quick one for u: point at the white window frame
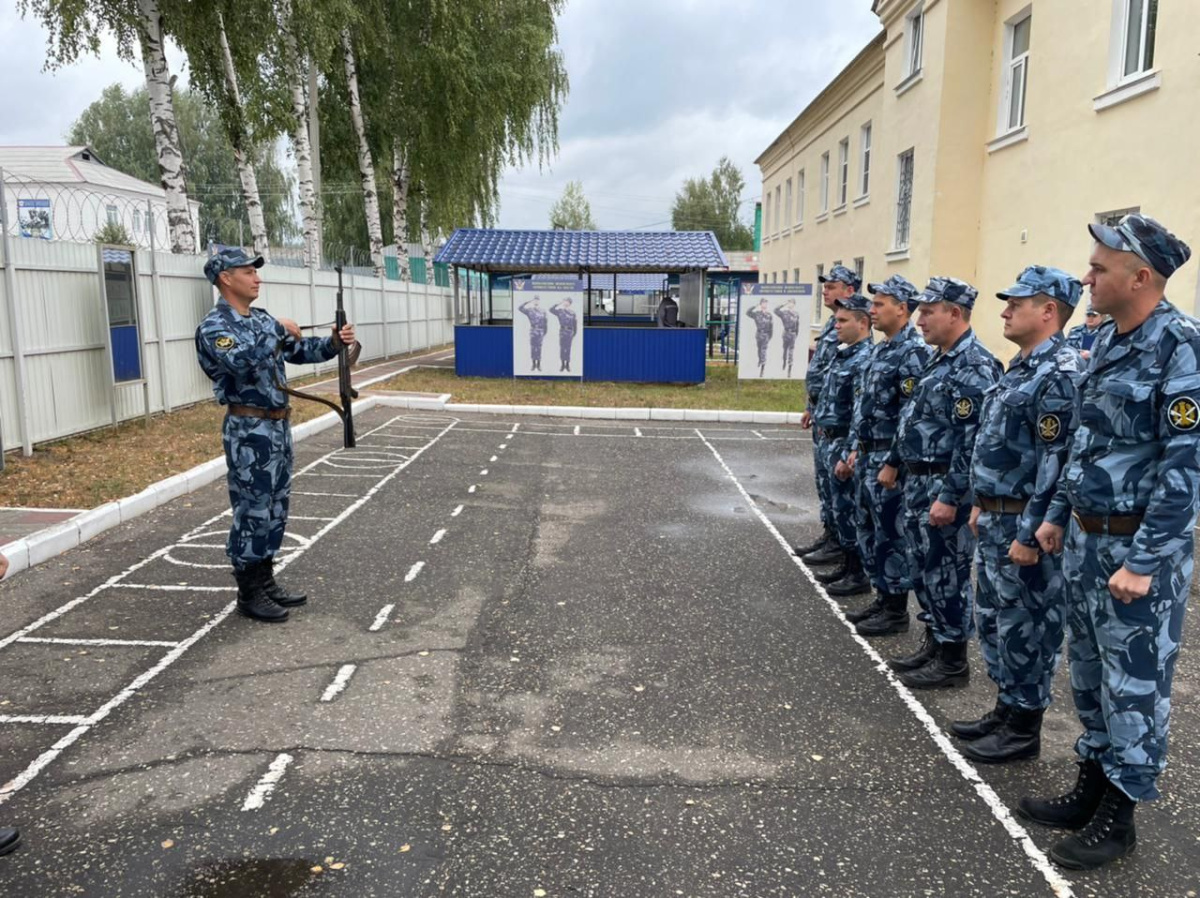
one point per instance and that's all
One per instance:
(914, 42)
(112, 217)
(843, 190)
(796, 275)
(860, 265)
(137, 221)
(787, 203)
(767, 213)
(824, 182)
(1149, 10)
(903, 216)
(783, 280)
(800, 198)
(778, 191)
(1013, 65)
(864, 178)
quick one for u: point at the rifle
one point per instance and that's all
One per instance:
(345, 387)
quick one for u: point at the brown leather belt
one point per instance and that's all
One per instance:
(1001, 504)
(921, 468)
(1108, 525)
(271, 414)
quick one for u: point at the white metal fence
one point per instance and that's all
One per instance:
(54, 374)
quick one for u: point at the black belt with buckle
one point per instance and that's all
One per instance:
(921, 468)
(835, 433)
(874, 445)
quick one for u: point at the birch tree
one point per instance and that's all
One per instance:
(366, 166)
(296, 77)
(400, 211)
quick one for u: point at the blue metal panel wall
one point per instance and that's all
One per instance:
(644, 355)
(483, 351)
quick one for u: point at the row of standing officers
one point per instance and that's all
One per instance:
(1069, 483)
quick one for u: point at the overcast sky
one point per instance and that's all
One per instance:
(660, 90)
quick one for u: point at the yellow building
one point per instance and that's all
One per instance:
(971, 138)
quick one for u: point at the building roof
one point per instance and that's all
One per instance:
(68, 165)
(573, 251)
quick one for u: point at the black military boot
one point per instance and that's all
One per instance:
(947, 669)
(976, 729)
(1109, 835)
(1019, 738)
(868, 612)
(891, 619)
(10, 840)
(277, 593)
(842, 569)
(1073, 810)
(831, 553)
(922, 656)
(252, 600)
(854, 582)
(826, 538)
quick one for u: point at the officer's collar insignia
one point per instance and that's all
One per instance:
(225, 342)
(1049, 427)
(908, 385)
(964, 408)
(1184, 413)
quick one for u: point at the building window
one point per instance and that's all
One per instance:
(865, 144)
(783, 276)
(112, 214)
(137, 221)
(767, 212)
(904, 192)
(1113, 218)
(787, 203)
(859, 266)
(800, 198)
(817, 306)
(777, 192)
(916, 41)
(824, 182)
(1016, 74)
(796, 275)
(1137, 50)
(775, 277)
(843, 171)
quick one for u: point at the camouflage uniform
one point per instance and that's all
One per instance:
(934, 441)
(791, 330)
(239, 354)
(764, 329)
(1020, 451)
(568, 323)
(889, 379)
(833, 416)
(1082, 337)
(537, 331)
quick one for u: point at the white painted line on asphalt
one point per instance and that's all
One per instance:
(515, 427)
(171, 587)
(46, 640)
(471, 488)
(437, 537)
(503, 446)
(757, 434)
(327, 474)
(456, 512)
(413, 571)
(637, 431)
(300, 517)
(1060, 886)
(65, 720)
(483, 473)
(576, 432)
(330, 495)
(493, 458)
(345, 672)
(265, 786)
(381, 618)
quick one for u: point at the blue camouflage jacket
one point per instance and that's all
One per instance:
(887, 382)
(814, 379)
(836, 405)
(1022, 443)
(567, 320)
(1136, 443)
(939, 425)
(1080, 337)
(239, 355)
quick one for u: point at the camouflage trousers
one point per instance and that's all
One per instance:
(789, 351)
(1123, 659)
(535, 346)
(258, 454)
(822, 475)
(842, 493)
(880, 518)
(1020, 613)
(763, 343)
(941, 571)
(565, 339)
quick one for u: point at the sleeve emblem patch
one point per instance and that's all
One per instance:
(1184, 413)
(1049, 427)
(225, 342)
(964, 408)
(908, 385)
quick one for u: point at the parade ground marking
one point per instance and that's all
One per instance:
(265, 786)
(340, 682)
(1060, 886)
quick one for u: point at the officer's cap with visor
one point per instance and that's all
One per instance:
(855, 303)
(1147, 239)
(948, 290)
(844, 275)
(228, 258)
(899, 287)
(1042, 279)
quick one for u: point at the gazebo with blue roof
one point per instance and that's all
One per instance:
(612, 350)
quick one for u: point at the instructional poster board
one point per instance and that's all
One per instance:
(773, 331)
(548, 328)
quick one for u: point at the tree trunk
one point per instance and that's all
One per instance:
(258, 224)
(366, 166)
(300, 144)
(166, 131)
(400, 210)
(427, 251)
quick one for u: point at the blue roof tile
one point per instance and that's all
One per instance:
(571, 251)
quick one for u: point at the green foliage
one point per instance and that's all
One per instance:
(572, 211)
(714, 204)
(117, 127)
(114, 233)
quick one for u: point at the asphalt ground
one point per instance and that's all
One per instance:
(539, 658)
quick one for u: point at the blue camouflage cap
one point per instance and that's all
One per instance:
(1147, 239)
(948, 290)
(844, 275)
(1053, 282)
(855, 303)
(226, 258)
(899, 287)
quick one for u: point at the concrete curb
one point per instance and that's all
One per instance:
(441, 404)
(53, 541)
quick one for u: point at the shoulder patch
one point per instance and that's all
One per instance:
(1184, 414)
(964, 408)
(908, 386)
(1049, 427)
(223, 342)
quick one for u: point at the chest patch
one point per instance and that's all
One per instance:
(1184, 413)
(908, 385)
(964, 408)
(1049, 427)
(223, 343)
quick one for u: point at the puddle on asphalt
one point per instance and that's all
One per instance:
(248, 878)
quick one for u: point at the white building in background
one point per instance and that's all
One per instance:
(68, 193)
